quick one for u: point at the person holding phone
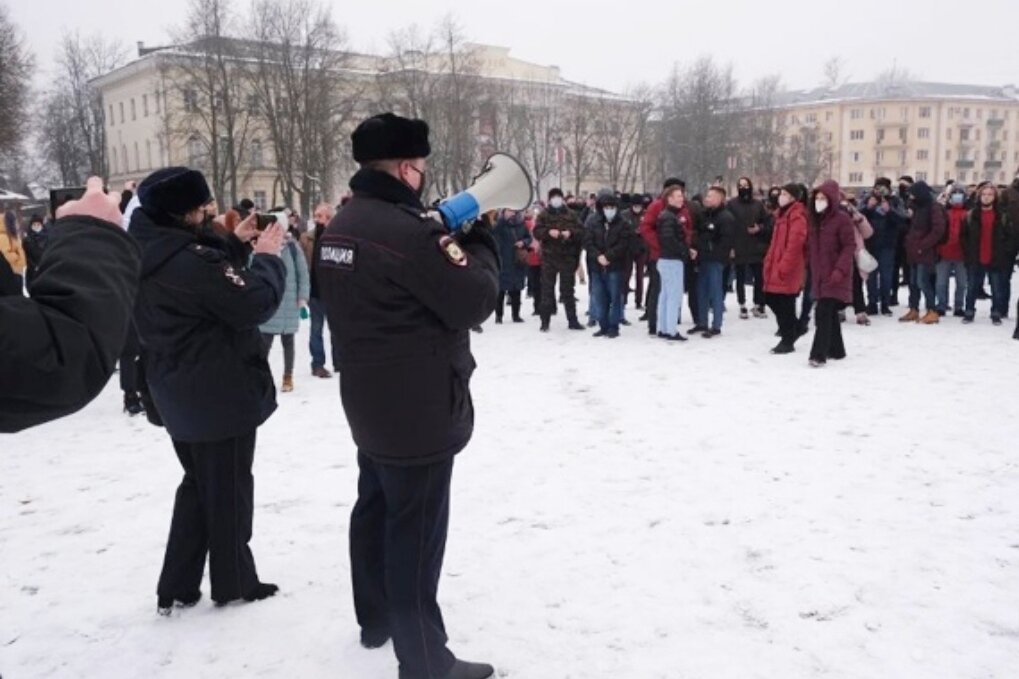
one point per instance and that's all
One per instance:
(208, 382)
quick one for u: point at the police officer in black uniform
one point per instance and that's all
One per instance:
(401, 295)
(198, 312)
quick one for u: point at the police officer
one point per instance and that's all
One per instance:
(198, 312)
(401, 294)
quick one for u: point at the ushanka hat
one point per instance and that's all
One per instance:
(174, 191)
(388, 136)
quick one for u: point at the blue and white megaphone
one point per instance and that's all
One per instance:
(502, 184)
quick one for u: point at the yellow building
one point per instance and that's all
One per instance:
(932, 131)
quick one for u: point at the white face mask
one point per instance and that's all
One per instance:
(784, 200)
(556, 202)
(610, 214)
(820, 206)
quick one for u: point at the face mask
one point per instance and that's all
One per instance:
(903, 190)
(37, 227)
(957, 199)
(637, 209)
(746, 193)
(610, 214)
(420, 190)
(556, 202)
(784, 201)
(820, 206)
(881, 192)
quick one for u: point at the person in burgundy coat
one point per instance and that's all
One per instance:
(832, 243)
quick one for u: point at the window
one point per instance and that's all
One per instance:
(925, 111)
(855, 177)
(948, 134)
(145, 105)
(856, 135)
(980, 114)
(190, 101)
(856, 114)
(964, 134)
(256, 153)
(829, 137)
(113, 159)
(880, 156)
(880, 136)
(121, 113)
(922, 155)
(855, 156)
(811, 118)
(259, 200)
(965, 113)
(978, 135)
(903, 134)
(904, 113)
(148, 154)
(134, 111)
(948, 155)
(962, 176)
(195, 150)
(923, 133)
(155, 98)
(125, 159)
(828, 116)
(137, 158)
(1004, 135)
(948, 175)
(111, 115)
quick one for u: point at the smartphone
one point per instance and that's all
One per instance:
(60, 196)
(263, 221)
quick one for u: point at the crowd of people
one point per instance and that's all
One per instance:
(799, 251)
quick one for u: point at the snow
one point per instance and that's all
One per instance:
(629, 509)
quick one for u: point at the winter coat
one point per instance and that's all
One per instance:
(672, 227)
(197, 315)
(648, 231)
(13, 252)
(886, 224)
(287, 319)
(60, 346)
(611, 240)
(926, 229)
(534, 251)
(750, 248)
(559, 252)
(951, 246)
(832, 244)
(402, 295)
(512, 274)
(715, 235)
(1004, 241)
(785, 265)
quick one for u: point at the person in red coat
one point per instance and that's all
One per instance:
(649, 233)
(785, 265)
(832, 243)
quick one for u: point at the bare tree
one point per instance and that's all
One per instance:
(808, 156)
(621, 124)
(579, 137)
(763, 134)
(60, 139)
(16, 67)
(535, 127)
(834, 73)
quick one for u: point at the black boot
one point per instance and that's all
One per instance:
(571, 316)
(469, 670)
(371, 639)
(515, 308)
(165, 604)
(133, 404)
(545, 319)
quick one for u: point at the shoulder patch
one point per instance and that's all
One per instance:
(339, 256)
(233, 276)
(452, 250)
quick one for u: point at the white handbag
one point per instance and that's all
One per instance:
(865, 261)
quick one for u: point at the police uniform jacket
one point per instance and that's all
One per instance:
(401, 295)
(199, 307)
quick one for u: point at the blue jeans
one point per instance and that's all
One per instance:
(1000, 289)
(606, 298)
(670, 297)
(881, 281)
(711, 294)
(921, 283)
(316, 345)
(944, 269)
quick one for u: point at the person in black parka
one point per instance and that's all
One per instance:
(402, 293)
(207, 380)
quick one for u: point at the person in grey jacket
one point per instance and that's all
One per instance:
(287, 319)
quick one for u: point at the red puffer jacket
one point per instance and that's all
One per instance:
(785, 265)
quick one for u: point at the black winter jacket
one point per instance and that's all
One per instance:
(714, 235)
(401, 295)
(612, 240)
(672, 235)
(198, 312)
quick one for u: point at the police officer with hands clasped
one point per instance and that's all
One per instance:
(401, 293)
(201, 300)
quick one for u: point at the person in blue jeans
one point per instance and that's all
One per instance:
(887, 215)
(990, 242)
(714, 239)
(311, 242)
(607, 242)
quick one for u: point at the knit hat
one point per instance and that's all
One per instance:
(793, 189)
(174, 191)
(552, 193)
(607, 197)
(883, 181)
(388, 136)
(673, 181)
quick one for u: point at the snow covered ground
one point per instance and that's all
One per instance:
(629, 509)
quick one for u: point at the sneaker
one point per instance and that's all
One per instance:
(165, 605)
(967, 319)
(996, 319)
(814, 363)
(711, 333)
(321, 372)
(643, 318)
(759, 312)
(1015, 335)
(478, 329)
(612, 334)
(886, 311)
(782, 348)
(678, 337)
(600, 333)
(862, 319)
(983, 294)
(591, 322)
(842, 317)
(697, 329)
(623, 321)
(872, 310)
(959, 313)
(133, 404)
(469, 670)
(498, 320)
(372, 639)
(743, 313)
(575, 325)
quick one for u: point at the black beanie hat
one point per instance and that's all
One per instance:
(174, 191)
(36, 219)
(552, 193)
(388, 137)
(794, 190)
(674, 181)
(883, 181)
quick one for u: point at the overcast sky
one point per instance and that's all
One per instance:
(613, 44)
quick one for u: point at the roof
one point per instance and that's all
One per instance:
(905, 90)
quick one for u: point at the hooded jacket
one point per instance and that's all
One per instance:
(832, 244)
(199, 307)
(785, 265)
(1004, 239)
(750, 248)
(927, 228)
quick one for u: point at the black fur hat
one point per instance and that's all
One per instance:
(174, 191)
(388, 137)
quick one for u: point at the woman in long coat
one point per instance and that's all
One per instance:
(514, 241)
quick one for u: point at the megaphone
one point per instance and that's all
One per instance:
(502, 184)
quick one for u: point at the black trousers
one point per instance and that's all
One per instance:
(514, 300)
(129, 362)
(566, 272)
(859, 303)
(288, 351)
(654, 289)
(212, 515)
(757, 272)
(784, 308)
(534, 285)
(828, 333)
(397, 543)
(690, 283)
